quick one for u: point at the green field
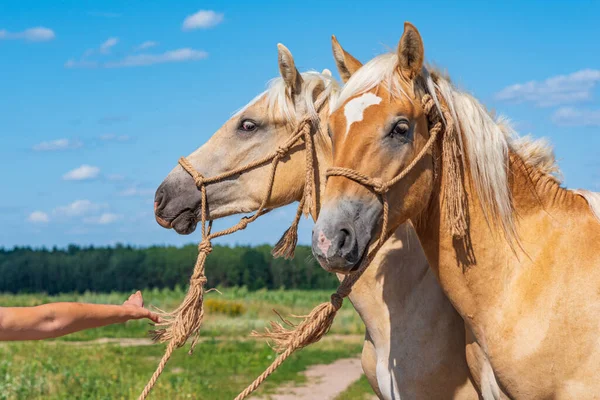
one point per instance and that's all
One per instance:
(81, 366)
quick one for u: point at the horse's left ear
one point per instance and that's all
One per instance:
(410, 52)
(287, 68)
(345, 62)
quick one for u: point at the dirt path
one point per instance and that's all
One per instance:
(323, 381)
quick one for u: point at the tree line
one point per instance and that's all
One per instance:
(126, 268)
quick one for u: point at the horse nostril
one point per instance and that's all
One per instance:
(159, 198)
(345, 234)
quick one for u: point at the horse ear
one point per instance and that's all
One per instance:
(287, 69)
(346, 64)
(410, 52)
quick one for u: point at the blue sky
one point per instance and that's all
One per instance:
(98, 99)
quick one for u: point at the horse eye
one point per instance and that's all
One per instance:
(248, 125)
(401, 129)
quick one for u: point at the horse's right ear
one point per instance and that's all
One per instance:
(287, 68)
(346, 64)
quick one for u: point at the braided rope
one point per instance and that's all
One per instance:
(316, 324)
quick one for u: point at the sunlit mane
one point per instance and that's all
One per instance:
(280, 103)
(485, 141)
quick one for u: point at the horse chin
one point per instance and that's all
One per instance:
(185, 223)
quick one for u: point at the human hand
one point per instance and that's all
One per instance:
(135, 304)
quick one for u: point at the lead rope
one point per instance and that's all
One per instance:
(316, 324)
(177, 326)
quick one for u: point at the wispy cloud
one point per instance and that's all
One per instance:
(104, 14)
(85, 62)
(146, 45)
(569, 116)
(38, 217)
(136, 191)
(140, 60)
(58, 144)
(172, 56)
(203, 19)
(108, 44)
(103, 219)
(555, 91)
(82, 173)
(37, 34)
(111, 137)
(79, 208)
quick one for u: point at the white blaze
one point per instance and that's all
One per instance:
(355, 108)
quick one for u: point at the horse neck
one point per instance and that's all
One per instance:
(468, 268)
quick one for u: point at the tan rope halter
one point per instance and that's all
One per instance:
(176, 327)
(314, 326)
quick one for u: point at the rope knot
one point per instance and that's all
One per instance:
(337, 301)
(198, 180)
(199, 280)
(281, 152)
(205, 246)
(379, 186)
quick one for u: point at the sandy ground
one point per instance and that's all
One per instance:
(324, 382)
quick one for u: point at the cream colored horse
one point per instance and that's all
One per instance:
(518, 255)
(415, 341)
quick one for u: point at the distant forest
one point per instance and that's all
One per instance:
(125, 268)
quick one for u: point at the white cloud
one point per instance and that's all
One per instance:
(103, 219)
(138, 60)
(569, 116)
(58, 144)
(146, 45)
(38, 217)
(108, 137)
(203, 19)
(108, 44)
(136, 191)
(37, 34)
(79, 208)
(72, 63)
(82, 173)
(558, 90)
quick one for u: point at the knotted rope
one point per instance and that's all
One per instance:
(316, 324)
(177, 326)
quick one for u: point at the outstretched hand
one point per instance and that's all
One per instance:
(135, 303)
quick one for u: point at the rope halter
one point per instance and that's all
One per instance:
(176, 327)
(380, 187)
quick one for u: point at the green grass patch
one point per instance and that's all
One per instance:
(217, 370)
(359, 390)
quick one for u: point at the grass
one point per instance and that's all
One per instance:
(217, 370)
(222, 365)
(359, 390)
(257, 312)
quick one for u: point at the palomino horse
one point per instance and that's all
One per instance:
(415, 341)
(517, 254)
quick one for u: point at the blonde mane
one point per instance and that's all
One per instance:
(484, 140)
(280, 103)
